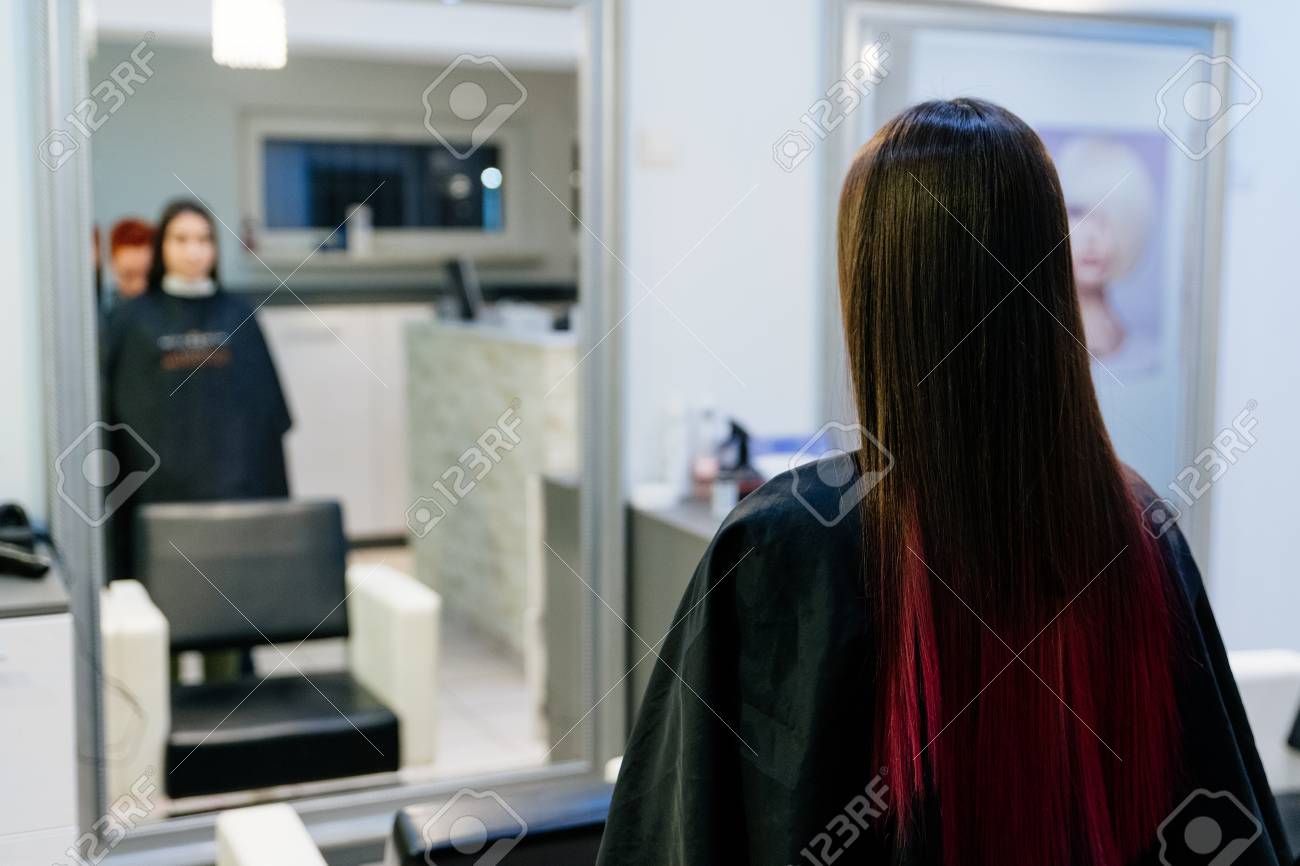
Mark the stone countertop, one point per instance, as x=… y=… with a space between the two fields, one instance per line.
x=559 y=339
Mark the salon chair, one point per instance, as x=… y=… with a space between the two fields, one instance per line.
x=237 y=575
x=539 y=824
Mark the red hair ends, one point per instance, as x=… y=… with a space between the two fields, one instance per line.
x=1051 y=743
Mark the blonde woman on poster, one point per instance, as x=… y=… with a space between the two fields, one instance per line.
x=1110 y=196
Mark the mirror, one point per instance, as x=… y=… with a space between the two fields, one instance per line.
x=339 y=470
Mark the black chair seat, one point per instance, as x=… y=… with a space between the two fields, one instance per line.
x=238 y=735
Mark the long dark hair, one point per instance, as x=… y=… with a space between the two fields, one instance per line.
x=157 y=269
x=1025 y=698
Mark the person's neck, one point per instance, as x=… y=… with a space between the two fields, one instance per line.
x=184 y=287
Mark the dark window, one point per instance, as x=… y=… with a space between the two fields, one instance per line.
x=312 y=183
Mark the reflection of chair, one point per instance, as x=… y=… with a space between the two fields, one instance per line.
x=243 y=574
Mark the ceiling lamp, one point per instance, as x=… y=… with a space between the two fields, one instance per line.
x=249 y=34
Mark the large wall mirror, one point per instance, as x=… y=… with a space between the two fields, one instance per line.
x=335 y=474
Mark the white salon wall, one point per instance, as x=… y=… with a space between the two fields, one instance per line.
x=23 y=468
x=708 y=88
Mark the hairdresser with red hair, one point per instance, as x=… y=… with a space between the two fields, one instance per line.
x=130 y=254
x=963 y=644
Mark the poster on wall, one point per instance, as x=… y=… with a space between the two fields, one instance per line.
x=1115 y=190
x=1138 y=216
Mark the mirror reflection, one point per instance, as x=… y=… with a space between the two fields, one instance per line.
x=338 y=287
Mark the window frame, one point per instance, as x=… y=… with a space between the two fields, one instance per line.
x=411 y=246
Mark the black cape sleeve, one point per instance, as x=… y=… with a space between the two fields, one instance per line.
x=668 y=806
x=751 y=744
x=281 y=420
x=1217 y=737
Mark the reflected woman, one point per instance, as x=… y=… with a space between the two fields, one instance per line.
x=965 y=643
x=187 y=370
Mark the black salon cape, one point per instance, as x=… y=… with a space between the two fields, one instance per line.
x=193 y=382
x=751 y=754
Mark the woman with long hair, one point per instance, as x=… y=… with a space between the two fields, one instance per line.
x=962 y=643
x=187 y=367
x=187 y=370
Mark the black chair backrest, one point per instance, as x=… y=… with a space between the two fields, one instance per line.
x=540 y=824
x=237 y=574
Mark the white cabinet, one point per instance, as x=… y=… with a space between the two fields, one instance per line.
x=1269 y=682
x=37 y=736
x=39 y=849
x=343 y=369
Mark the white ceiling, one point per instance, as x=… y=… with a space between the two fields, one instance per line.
x=402 y=30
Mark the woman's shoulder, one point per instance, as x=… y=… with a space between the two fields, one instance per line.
x=231 y=303
x=1157 y=514
x=232 y=311
x=1142 y=491
x=128 y=315
x=133 y=307
x=798 y=536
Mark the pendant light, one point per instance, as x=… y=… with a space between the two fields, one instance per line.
x=249 y=34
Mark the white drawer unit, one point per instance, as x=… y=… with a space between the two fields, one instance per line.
x=1269 y=681
x=46 y=848
x=37 y=729
x=343 y=370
